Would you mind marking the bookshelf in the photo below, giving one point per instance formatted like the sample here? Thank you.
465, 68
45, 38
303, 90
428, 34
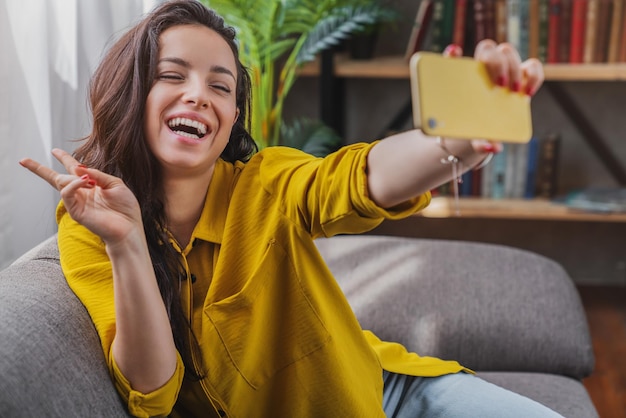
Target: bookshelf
396, 67
332, 69
528, 209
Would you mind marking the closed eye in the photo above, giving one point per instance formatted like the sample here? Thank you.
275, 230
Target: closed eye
170, 76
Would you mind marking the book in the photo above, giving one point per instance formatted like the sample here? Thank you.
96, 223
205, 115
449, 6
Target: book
523, 30
565, 30
458, 30
597, 199
420, 28
513, 22
554, 23
601, 50
591, 30
622, 41
533, 28
531, 168
547, 166
480, 29
499, 8
616, 26
577, 34
443, 23
544, 15
498, 173
490, 19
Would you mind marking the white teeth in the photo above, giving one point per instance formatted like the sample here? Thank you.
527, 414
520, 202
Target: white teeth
201, 127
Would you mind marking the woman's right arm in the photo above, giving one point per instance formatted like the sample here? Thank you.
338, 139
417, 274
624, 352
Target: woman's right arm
143, 346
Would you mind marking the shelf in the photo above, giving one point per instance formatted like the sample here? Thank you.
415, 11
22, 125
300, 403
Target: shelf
396, 67
529, 209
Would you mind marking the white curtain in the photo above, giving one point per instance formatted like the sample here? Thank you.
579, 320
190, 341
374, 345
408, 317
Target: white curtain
48, 50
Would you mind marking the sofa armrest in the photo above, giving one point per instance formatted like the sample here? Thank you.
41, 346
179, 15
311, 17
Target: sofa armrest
491, 307
52, 362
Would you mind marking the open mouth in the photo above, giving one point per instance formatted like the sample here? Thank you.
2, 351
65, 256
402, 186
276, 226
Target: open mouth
187, 127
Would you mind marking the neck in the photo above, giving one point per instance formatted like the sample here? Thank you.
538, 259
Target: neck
185, 197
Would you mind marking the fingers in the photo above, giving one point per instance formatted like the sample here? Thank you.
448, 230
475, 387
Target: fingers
532, 71
506, 68
65, 158
46, 173
453, 50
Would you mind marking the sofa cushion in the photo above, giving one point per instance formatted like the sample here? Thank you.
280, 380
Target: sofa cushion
564, 395
52, 362
490, 307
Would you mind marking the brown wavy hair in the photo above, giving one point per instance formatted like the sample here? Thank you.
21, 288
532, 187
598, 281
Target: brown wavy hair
117, 144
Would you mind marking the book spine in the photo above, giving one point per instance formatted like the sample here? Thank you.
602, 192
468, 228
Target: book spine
531, 168
577, 36
547, 166
622, 40
458, 32
591, 30
500, 20
437, 27
513, 23
479, 21
420, 27
565, 30
554, 22
490, 19
616, 26
533, 29
601, 49
498, 173
524, 35
544, 14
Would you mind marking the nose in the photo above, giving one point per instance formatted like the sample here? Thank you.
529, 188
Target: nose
196, 94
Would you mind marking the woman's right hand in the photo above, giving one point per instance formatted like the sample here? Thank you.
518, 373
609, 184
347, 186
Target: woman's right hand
100, 202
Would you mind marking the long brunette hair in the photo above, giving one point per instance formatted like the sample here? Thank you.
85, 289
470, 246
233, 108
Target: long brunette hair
117, 145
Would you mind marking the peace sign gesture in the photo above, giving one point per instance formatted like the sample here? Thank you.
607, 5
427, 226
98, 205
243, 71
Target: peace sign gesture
100, 202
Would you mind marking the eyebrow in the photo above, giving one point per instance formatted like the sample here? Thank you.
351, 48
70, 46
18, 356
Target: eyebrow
183, 63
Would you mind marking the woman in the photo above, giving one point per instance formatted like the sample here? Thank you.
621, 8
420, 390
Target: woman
195, 257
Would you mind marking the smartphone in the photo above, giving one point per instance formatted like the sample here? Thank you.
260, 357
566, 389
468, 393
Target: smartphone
455, 98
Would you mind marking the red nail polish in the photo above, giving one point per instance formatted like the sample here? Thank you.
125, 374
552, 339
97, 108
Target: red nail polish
452, 48
516, 86
489, 148
530, 91
91, 182
501, 81
81, 166
84, 177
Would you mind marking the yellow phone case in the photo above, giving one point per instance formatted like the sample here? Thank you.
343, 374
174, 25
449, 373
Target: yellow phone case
455, 98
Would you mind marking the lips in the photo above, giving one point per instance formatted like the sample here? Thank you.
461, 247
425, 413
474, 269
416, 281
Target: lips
187, 127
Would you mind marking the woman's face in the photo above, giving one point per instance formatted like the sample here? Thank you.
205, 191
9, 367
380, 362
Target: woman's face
191, 107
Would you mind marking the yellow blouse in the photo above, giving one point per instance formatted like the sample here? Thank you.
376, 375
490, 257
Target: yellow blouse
278, 337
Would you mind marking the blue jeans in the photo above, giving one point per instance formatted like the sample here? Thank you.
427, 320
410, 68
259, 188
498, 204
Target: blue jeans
455, 395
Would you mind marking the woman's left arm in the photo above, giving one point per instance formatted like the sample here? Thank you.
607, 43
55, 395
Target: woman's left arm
410, 163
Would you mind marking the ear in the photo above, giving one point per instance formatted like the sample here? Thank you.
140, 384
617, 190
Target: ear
236, 116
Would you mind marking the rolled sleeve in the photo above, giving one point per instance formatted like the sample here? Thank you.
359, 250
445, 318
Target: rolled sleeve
156, 403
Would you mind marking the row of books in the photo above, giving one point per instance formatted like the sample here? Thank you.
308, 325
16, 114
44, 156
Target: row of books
520, 171
554, 31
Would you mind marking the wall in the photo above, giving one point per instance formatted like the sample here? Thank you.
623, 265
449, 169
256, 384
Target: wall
592, 252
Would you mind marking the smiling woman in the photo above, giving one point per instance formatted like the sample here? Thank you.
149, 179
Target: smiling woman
195, 256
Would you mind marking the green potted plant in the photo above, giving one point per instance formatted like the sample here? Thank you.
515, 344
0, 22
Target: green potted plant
276, 37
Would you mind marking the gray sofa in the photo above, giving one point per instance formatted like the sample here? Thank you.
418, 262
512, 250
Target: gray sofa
513, 316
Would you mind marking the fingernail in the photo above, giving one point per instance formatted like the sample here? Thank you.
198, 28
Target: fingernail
91, 182
530, 91
84, 177
489, 148
516, 86
452, 48
501, 81
81, 166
